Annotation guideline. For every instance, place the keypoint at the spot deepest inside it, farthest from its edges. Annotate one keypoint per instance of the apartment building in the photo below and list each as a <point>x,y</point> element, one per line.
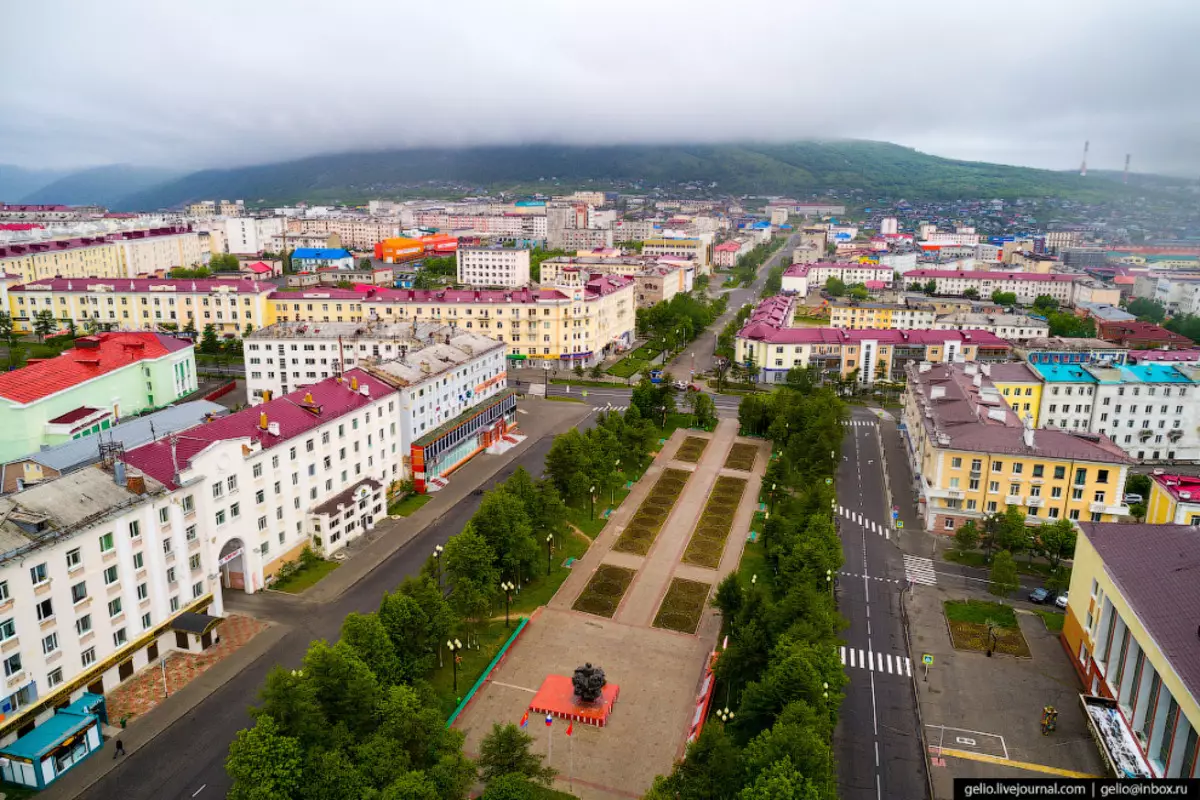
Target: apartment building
<point>807,208</point>
<point>800,278</point>
<point>727,254</point>
<point>579,238</point>
<point>886,316</point>
<point>1173,500</point>
<point>305,259</point>
<point>693,248</point>
<point>973,456</point>
<point>493,266</point>
<point>88,388</point>
<point>1026,286</point>
<point>1013,327</point>
<point>98,572</point>
<point>358,233</point>
<point>659,284</point>
<point>1021,387</point>
<point>567,325</point>
<point>631,230</point>
<point>115,255</point>
<point>1134,649</point>
<point>143,303</point>
<point>554,270</point>
<point>251,235</point>
<point>291,241</point>
<point>1137,334</point>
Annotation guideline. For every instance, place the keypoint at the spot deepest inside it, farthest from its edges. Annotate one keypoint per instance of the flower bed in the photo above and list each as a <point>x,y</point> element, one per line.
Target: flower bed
<point>708,539</point>
<point>691,449</point>
<point>643,529</point>
<point>967,621</point>
<point>682,606</point>
<point>742,457</point>
<point>604,591</point>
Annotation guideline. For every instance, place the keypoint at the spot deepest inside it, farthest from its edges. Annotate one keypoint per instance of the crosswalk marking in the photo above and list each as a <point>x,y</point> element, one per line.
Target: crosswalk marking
<point>919,570</point>
<point>872,577</point>
<point>883,663</point>
<point>611,407</point>
<point>859,519</point>
<point>859,423</point>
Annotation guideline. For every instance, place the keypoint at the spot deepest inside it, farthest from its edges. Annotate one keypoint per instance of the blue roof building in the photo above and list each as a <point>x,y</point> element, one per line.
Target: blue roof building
<point>310,259</point>
<point>41,756</point>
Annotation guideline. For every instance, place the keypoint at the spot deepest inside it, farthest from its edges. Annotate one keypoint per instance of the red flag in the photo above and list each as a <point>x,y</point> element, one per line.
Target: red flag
<point>571,728</point>
<point>525,719</point>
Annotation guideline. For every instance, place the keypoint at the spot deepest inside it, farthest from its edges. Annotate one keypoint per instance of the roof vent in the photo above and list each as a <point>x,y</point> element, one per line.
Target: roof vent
<point>273,428</point>
<point>262,421</point>
<point>937,392</point>
<point>354,384</point>
<point>1185,495</point>
<point>308,397</point>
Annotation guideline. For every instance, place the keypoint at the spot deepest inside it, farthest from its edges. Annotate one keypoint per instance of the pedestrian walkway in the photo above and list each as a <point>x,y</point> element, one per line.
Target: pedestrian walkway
<point>872,577</point>
<point>884,663</point>
<point>859,519</point>
<point>918,569</point>
<point>859,423</point>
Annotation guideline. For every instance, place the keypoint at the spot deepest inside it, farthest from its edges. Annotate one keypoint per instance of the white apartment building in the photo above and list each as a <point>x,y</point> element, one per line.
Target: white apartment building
<point>579,238</point>
<point>493,266</point>
<point>251,235</point>
<point>1178,294</point>
<point>695,248</point>
<point>1026,286</point>
<point>97,565</point>
<point>359,233</point>
<point>800,278</point>
<point>625,230</point>
<point>145,252</point>
<point>254,486</point>
<point>1013,327</point>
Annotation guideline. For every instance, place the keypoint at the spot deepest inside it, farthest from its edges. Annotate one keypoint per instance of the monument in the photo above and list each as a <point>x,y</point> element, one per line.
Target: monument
<point>587,697</point>
<point>589,683</point>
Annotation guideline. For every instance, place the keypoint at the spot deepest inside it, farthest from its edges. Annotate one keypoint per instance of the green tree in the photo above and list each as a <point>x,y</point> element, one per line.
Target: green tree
<point>1138,511</point>
<point>1147,310</point>
<point>264,764</point>
<point>6,327</point>
<point>1056,541</point>
<point>411,786</point>
<point>967,536</point>
<point>510,787</point>
<point>190,327</point>
<point>711,771</point>
<point>371,642</point>
<point>781,781</point>
<point>503,522</point>
<point>249,329</point>
<point>208,340</point>
<point>506,751</point>
<point>836,287</point>
<point>1004,298</point>
<point>1066,324</point>
<point>332,774</point>
<point>473,576</point>
<point>364,263</point>
<point>44,324</point>
<point>1014,535</point>
<point>703,409</point>
<point>224,262</point>
<point>1138,483</point>
<point>1003,579</point>
<point>1045,303</point>
<point>596,371</point>
<point>930,287</point>
<point>345,686</point>
<point>971,293</point>
<point>859,292</point>
<point>290,700</point>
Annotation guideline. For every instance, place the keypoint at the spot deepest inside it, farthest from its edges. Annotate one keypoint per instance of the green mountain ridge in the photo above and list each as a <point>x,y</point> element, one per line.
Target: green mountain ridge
<point>106,186</point>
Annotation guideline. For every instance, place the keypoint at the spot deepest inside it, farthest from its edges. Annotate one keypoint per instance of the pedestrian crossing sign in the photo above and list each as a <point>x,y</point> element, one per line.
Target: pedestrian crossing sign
<point>927,659</point>
<point>829,481</point>
<point>899,523</point>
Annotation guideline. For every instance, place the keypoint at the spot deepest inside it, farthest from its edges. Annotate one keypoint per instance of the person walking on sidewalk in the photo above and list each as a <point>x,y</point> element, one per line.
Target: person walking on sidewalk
<point>120,750</point>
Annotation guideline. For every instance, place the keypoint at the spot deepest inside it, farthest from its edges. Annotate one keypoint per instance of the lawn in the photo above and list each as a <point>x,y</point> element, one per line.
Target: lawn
<point>646,352</point>
<point>643,528</point>
<point>974,558</point>
<point>558,398</point>
<point>578,382</point>
<point>305,577</point>
<point>627,367</point>
<point>968,619</point>
<point>409,504</point>
<point>542,793</point>
<point>980,611</point>
<point>582,517</point>
<point>708,539</point>
<point>691,449</point>
<point>741,456</point>
<point>538,591</point>
<point>604,591</point>
<point>473,661</point>
<point>682,606</point>
<point>1054,619</point>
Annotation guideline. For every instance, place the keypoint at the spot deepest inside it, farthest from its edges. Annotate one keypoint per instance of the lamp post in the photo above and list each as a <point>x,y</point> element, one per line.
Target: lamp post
<point>549,544</point>
<point>507,587</point>
<point>754,579</point>
<point>612,490</point>
<point>454,645</point>
<point>772,497</point>
<point>437,559</point>
<point>725,715</point>
<point>829,581</point>
<point>592,496</point>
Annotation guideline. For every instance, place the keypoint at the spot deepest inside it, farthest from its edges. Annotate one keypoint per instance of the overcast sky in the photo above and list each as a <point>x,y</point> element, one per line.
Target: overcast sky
<point>230,82</point>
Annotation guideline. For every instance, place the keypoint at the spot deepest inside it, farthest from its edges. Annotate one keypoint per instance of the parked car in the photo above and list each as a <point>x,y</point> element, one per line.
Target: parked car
<point>1042,595</point>
<point>1061,600</point>
<point>691,387</point>
<point>1133,497</point>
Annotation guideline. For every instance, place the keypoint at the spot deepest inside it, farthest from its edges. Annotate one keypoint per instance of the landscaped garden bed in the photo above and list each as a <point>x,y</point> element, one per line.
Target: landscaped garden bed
<point>643,529</point>
<point>604,591</point>
<point>681,608</point>
<point>708,539</point>
<point>691,449</point>
<point>742,456</point>
<point>968,621</point>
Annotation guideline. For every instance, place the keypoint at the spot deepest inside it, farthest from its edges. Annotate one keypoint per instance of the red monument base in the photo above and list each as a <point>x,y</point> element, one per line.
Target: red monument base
<point>557,698</point>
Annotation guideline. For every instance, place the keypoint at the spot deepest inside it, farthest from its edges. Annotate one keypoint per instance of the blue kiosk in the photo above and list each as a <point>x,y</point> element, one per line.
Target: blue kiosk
<point>39,757</point>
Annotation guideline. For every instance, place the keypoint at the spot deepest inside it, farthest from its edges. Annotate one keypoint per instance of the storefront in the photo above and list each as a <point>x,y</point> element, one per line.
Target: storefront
<point>44,754</point>
<point>441,451</point>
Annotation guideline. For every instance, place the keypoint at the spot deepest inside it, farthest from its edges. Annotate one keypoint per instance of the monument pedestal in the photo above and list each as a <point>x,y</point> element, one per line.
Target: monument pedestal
<point>556,697</point>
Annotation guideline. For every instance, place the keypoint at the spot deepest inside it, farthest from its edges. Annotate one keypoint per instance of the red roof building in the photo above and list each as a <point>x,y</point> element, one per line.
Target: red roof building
<point>1140,334</point>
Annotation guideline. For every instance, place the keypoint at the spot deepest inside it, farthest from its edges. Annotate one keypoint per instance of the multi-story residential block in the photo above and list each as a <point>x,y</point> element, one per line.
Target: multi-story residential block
<point>973,456</point>
<point>305,259</point>
<point>1066,289</point>
<point>45,213</point>
<point>1133,648</point>
<point>88,388</point>
<point>571,325</point>
<point>1069,350</point>
<point>235,208</point>
<point>580,238</point>
<point>122,254</point>
<point>99,571</point>
<point>888,316</point>
<point>201,208</point>
<point>1013,327</point>
<point>807,208</point>
<point>626,230</point>
<point>359,233</point>
<point>727,254</point>
<point>659,284</point>
<point>693,248</point>
<point>800,278</point>
<point>1021,388</point>
<point>144,303</point>
<point>1173,500</point>
<point>281,242</point>
<point>493,266</point>
<point>251,235</point>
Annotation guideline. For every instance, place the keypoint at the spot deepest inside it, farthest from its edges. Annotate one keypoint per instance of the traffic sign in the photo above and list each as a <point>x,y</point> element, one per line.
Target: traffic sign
<point>927,659</point>
<point>900,523</point>
<point>895,515</point>
<point>829,481</point>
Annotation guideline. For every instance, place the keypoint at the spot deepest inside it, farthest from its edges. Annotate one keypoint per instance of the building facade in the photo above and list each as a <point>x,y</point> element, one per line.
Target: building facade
<point>1013,327</point>
<point>124,254</point>
<point>306,259</point>
<point>886,316</point>
<point>251,235</point>
<point>493,266</point>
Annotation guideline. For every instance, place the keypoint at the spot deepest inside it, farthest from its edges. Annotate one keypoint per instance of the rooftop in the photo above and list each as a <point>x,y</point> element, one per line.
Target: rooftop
<point>1014,372</point>
<point>1157,569</point>
<point>293,413</point>
<point>1176,356</point>
<point>1140,331</point>
<point>400,332</point>
<point>991,276</point>
<point>1185,488</point>
<point>320,253</point>
<point>59,245</point>
<point>430,361</point>
<point>1068,344</point>
<point>237,283</point>
<point>92,357</point>
<point>762,331</point>
<point>800,270</point>
<point>971,319</point>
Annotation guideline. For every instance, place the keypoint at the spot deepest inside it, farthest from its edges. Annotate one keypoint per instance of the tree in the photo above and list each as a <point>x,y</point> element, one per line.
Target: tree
<point>1056,541</point>
<point>249,329</point>
<point>44,324</point>
<point>371,642</point>
<point>710,771</point>
<point>411,786</point>
<point>1045,303</point>
<point>506,751</point>
<point>1004,298</point>
<point>1066,324</point>
<point>578,370</point>
<point>1014,535</point>
<point>509,787</point>
<point>1137,511</point>
<point>264,764</point>
<point>930,287</point>
<point>364,263</point>
<point>781,781</point>
<point>1137,483</point>
<point>345,686</point>
<point>1003,580</point>
<point>208,340</point>
<point>836,287</point>
<point>1147,310</point>
<point>290,700</point>
<point>967,536</point>
<point>224,262</point>
<point>971,293</point>
<point>332,774</point>
<point>6,327</point>
<point>473,576</point>
<point>190,327</point>
<point>596,371</point>
<point>703,409</point>
<point>859,292</point>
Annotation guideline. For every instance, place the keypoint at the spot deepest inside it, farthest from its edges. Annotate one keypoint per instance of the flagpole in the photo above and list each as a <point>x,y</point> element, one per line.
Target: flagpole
<point>549,744</point>
<point>571,768</point>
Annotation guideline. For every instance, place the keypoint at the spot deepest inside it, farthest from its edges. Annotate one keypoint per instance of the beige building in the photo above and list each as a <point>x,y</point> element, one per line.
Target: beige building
<point>116,255</point>
<point>356,233</point>
<point>493,266</point>
<point>695,248</point>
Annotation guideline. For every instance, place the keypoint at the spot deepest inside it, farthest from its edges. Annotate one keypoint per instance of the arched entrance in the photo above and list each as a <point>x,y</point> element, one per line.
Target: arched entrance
<point>232,565</point>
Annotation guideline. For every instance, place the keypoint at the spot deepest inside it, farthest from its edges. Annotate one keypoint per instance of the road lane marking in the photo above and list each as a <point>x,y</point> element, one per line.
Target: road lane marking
<point>919,570</point>
<point>198,791</point>
<point>908,666</point>
<point>843,655</point>
<point>1005,762</point>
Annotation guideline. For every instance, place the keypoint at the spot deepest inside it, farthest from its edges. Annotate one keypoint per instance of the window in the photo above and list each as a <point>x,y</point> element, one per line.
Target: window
<point>119,638</point>
<point>220,517</point>
<point>218,489</point>
<point>1018,468</point>
<point>74,558</point>
<point>45,610</point>
<point>1060,473</point>
<point>79,592</point>
<point>1101,476</point>
<point>138,560</point>
<point>135,529</point>
<point>260,497</point>
<point>197,588</point>
<point>1098,497</point>
<point>1077,493</point>
<point>12,665</point>
<point>194,561</point>
<point>1074,514</point>
<point>189,505</point>
<point>143,591</point>
<point>3,591</point>
<point>258,470</point>
<point>49,644</point>
<point>956,463</point>
<point>1081,476</point>
<point>38,574</point>
<point>88,657</point>
<point>174,604</point>
<point>231,483</point>
<point>164,516</point>
<point>110,575</point>
<point>83,624</point>
<point>8,630</point>
<point>1055,492</point>
<point>170,574</point>
<point>235,510</point>
<point>54,677</point>
<point>190,533</point>
<point>114,606</point>
<point>993,487</point>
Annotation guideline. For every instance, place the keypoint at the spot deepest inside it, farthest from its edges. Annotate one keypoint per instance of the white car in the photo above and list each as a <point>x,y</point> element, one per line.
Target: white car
<point>1061,600</point>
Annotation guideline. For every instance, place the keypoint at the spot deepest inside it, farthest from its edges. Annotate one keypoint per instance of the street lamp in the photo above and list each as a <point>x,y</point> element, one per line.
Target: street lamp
<point>612,491</point>
<point>772,497</point>
<point>454,645</point>
<point>507,587</point>
<point>592,495</point>
<point>725,715</point>
<point>437,560</point>
<point>754,579</point>
<point>549,544</point>
<point>829,581</point>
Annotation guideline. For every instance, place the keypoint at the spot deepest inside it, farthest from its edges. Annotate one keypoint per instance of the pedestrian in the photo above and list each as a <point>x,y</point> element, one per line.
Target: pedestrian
<point>119,751</point>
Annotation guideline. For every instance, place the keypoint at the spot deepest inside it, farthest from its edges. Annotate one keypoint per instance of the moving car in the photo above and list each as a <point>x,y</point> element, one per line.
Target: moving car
<point>1042,595</point>
<point>1061,600</point>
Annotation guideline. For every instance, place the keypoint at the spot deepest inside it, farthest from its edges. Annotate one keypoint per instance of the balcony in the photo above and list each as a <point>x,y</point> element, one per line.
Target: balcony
<point>1014,500</point>
<point>945,494</point>
<point>16,679</point>
<point>1034,502</point>
<point>43,587</point>
<point>10,644</point>
<point>109,556</point>
<point>1104,508</point>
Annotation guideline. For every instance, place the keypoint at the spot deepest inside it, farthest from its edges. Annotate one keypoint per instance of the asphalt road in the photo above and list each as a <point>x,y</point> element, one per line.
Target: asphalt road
<point>877,741</point>
<point>191,753</point>
<point>727,405</point>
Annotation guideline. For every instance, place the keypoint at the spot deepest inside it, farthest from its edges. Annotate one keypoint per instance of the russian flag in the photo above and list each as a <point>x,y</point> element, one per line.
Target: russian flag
<point>525,719</point>
<point>549,720</point>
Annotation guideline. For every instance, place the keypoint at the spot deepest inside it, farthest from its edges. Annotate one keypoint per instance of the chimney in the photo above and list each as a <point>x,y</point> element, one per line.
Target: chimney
<point>119,473</point>
<point>136,484</point>
<point>308,398</point>
<point>354,384</point>
<point>262,421</point>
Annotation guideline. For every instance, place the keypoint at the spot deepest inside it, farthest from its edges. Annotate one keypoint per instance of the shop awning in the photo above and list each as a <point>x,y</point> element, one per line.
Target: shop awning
<point>46,737</point>
<point>191,622</point>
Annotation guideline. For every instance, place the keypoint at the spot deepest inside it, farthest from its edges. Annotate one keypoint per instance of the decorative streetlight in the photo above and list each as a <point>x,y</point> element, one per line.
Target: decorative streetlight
<point>454,645</point>
<point>725,715</point>
<point>612,492</point>
<point>754,579</point>
<point>592,495</point>
<point>829,581</point>
<point>437,560</point>
<point>507,587</point>
<point>772,497</point>
<point>549,545</point>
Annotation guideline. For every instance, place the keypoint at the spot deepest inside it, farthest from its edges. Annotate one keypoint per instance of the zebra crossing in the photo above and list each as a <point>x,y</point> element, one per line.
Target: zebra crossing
<point>876,662</point>
<point>858,519</point>
<point>872,577</point>
<point>860,423</point>
<point>918,569</point>
<point>611,407</point>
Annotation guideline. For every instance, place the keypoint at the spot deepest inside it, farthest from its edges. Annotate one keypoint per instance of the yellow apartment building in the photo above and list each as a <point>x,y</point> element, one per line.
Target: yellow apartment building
<point>1133,644</point>
<point>885,316</point>
<point>1021,388</point>
<point>1174,500</point>
<point>116,255</point>
<point>972,455</point>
